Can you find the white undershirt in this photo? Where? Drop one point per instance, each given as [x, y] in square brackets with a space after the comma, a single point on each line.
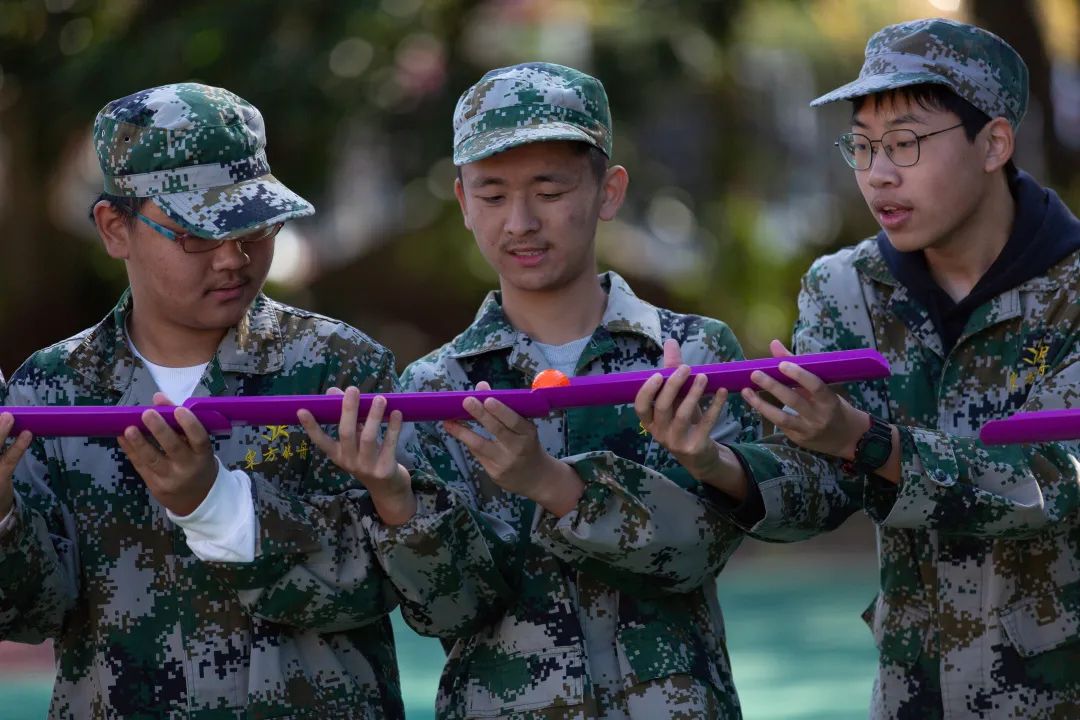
[564, 358]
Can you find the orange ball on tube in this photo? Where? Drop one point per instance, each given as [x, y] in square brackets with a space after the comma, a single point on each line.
[550, 378]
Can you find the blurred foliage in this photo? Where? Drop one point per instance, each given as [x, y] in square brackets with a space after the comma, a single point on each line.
[734, 187]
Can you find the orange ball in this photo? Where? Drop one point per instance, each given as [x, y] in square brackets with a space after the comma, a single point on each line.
[550, 378]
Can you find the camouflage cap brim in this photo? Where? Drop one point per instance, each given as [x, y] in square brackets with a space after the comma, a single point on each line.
[230, 210]
[499, 140]
[879, 83]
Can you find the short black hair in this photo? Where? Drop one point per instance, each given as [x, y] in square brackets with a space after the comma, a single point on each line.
[129, 207]
[598, 161]
[935, 97]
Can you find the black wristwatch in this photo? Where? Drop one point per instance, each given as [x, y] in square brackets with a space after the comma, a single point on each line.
[873, 448]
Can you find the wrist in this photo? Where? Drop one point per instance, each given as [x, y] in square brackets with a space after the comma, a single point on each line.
[724, 472]
[859, 422]
[560, 488]
[396, 505]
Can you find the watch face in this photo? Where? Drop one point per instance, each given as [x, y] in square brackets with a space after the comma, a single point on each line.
[875, 451]
[874, 447]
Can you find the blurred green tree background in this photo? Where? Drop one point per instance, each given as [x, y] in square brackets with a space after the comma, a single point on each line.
[734, 184]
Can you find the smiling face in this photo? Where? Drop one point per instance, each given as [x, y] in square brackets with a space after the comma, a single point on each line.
[179, 295]
[534, 209]
[936, 203]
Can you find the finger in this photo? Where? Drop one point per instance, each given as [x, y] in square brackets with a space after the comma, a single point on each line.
[672, 353]
[712, 413]
[161, 398]
[665, 401]
[369, 433]
[318, 436]
[194, 432]
[335, 391]
[350, 410]
[390, 440]
[786, 395]
[483, 386]
[14, 452]
[778, 349]
[775, 415]
[690, 406]
[508, 417]
[169, 440]
[478, 445]
[646, 396]
[479, 412]
[806, 379]
[7, 421]
[142, 454]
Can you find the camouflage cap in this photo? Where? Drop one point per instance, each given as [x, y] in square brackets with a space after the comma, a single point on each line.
[527, 103]
[977, 65]
[200, 153]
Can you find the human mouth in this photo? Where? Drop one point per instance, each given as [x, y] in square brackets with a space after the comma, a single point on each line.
[892, 215]
[527, 257]
[229, 291]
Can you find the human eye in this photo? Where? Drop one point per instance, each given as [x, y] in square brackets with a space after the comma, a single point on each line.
[490, 199]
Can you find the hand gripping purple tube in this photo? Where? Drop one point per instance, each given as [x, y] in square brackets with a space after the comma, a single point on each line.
[1030, 427]
[219, 414]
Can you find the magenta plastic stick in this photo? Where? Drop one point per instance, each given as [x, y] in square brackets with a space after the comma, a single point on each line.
[1029, 427]
[218, 413]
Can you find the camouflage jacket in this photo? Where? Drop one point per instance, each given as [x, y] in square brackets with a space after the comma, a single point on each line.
[143, 628]
[615, 613]
[979, 546]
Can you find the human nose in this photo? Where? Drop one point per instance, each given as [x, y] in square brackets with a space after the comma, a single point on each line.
[882, 171]
[521, 220]
[231, 255]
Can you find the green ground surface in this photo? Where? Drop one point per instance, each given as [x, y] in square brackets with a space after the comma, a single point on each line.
[798, 648]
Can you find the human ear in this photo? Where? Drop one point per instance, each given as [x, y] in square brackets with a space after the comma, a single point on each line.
[613, 191]
[114, 229]
[1000, 144]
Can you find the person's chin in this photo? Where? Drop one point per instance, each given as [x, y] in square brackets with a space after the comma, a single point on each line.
[907, 241]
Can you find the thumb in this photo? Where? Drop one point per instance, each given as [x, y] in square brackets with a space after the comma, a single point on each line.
[778, 350]
[483, 386]
[161, 398]
[672, 353]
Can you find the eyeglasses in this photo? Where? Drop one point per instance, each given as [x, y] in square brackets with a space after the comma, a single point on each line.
[901, 145]
[194, 244]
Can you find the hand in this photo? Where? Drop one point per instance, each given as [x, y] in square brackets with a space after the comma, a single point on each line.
[820, 420]
[514, 459]
[9, 459]
[681, 428]
[361, 455]
[181, 473]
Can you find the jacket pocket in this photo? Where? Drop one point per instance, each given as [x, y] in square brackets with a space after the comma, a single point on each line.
[1044, 622]
[899, 628]
[499, 683]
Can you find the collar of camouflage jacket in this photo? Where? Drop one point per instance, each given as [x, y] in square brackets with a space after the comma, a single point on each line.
[254, 346]
[625, 313]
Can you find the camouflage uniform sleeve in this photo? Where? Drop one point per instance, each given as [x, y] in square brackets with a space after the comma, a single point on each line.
[959, 485]
[316, 562]
[649, 528]
[449, 568]
[447, 564]
[39, 579]
[806, 493]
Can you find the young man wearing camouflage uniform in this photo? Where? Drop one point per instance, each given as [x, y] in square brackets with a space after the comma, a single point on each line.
[970, 291]
[196, 577]
[614, 613]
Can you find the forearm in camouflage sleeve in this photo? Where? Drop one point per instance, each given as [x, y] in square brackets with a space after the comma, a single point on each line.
[639, 530]
[958, 485]
[448, 562]
[38, 567]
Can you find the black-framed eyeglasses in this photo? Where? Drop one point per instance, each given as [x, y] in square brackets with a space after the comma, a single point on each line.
[901, 145]
[194, 244]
